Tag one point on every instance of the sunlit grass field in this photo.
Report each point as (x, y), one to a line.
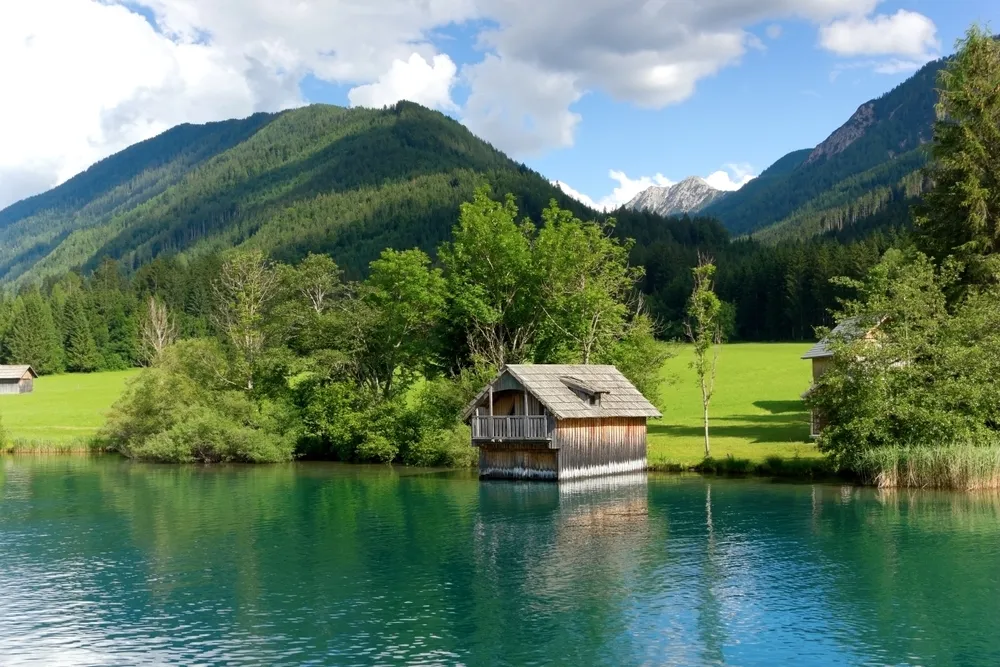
(757, 410)
(63, 409)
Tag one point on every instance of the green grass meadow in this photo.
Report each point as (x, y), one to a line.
(63, 411)
(756, 413)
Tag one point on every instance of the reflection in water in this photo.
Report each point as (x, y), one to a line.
(106, 562)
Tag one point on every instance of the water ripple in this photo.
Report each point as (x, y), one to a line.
(108, 563)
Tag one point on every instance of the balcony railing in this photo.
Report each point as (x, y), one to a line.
(518, 427)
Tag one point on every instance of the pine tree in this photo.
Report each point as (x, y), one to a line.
(32, 337)
(960, 215)
(81, 350)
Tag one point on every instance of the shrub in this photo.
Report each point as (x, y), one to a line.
(173, 413)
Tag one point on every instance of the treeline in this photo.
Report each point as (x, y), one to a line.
(94, 323)
(771, 292)
(83, 323)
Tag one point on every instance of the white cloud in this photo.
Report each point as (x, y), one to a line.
(904, 33)
(519, 108)
(83, 79)
(723, 180)
(732, 177)
(773, 31)
(650, 53)
(416, 80)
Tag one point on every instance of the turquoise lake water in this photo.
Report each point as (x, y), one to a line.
(103, 562)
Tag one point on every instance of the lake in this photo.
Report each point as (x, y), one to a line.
(105, 562)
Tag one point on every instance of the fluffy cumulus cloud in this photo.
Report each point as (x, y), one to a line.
(93, 76)
(904, 33)
(82, 79)
(733, 177)
(416, 80)
(519, 108)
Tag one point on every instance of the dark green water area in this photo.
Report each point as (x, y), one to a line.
(106, 562)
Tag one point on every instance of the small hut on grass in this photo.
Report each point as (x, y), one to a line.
(554, 422)
(821, 356)
(17, 379)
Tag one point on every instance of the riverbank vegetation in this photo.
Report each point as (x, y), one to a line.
(912, 396)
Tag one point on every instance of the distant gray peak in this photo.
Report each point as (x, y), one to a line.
(688, 196)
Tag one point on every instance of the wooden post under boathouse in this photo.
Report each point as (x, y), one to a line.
(17, 379)
(553, 422)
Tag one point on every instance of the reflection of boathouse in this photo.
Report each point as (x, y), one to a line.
(559, 422)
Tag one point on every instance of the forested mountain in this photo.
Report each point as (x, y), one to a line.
(863, 168)
(349, 182)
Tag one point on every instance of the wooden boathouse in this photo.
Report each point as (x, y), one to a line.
(17, 379)
(555, 422)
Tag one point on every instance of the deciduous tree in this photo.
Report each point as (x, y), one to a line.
(705, 332)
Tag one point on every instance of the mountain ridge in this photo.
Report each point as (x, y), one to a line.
(885, 138)
(321, 178)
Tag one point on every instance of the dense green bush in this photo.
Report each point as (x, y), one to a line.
(928, 377)
(178, 411)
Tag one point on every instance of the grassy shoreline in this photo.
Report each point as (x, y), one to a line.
(759, 425)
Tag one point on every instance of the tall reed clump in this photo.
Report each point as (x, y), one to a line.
(960, 467)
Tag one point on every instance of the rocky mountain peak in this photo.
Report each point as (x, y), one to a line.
(688, 196)
(846, 134)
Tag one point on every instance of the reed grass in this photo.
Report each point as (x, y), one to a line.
(959, 467)
(31, 446)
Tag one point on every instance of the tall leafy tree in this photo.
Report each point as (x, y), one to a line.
(399, 307)
(960, 216)
(587, 285)
(492, 279)
(245, 291)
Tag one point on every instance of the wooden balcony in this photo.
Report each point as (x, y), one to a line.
(517, 427)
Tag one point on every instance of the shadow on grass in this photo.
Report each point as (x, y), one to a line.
(787, 427)
(780, 407)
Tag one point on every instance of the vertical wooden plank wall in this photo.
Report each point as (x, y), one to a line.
(589, 447)
(517, 461)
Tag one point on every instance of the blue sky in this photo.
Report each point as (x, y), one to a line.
(654, 90)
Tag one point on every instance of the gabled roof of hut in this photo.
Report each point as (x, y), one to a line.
(553, 385)
(16, 372)
(849, 328)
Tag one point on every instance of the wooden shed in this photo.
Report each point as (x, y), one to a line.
(17, 379)
(554, 422)
(821, 355)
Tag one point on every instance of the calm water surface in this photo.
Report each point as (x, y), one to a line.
(103, 562)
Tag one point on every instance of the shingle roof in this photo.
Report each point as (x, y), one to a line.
(849, 328)
(15, 372)
(548, 383)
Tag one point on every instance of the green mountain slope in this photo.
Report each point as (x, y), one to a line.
(350, 182)
(34, 227)
(866, 163)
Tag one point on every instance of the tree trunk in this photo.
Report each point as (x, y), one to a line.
(708, 450)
